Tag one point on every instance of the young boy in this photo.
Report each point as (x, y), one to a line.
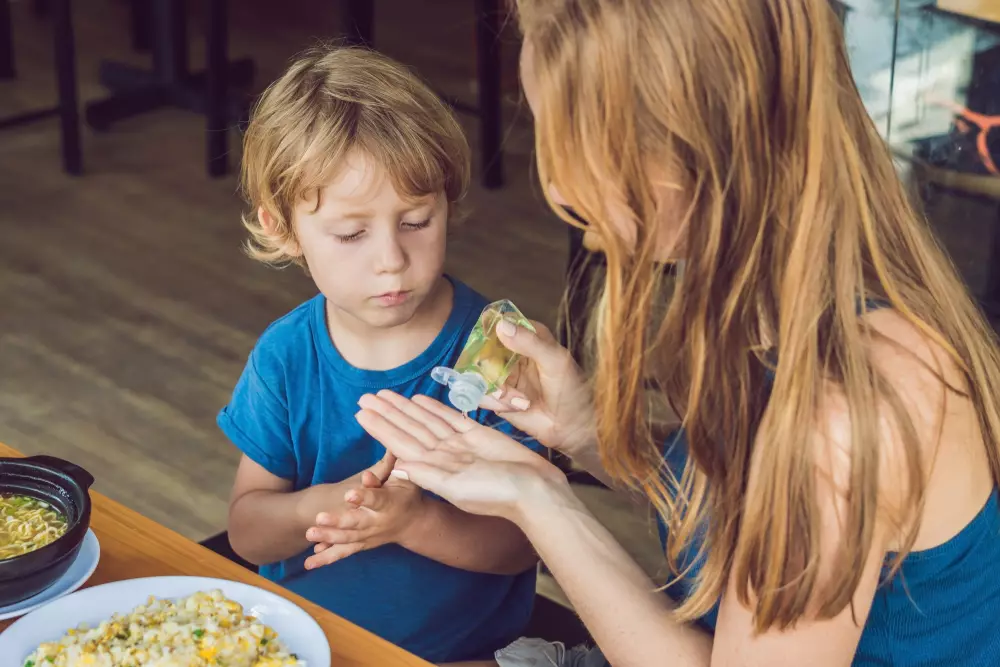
(353, 168)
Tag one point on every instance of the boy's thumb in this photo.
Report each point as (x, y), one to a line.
(383, 468)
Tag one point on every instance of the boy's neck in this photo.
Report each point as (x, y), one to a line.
(381, 349)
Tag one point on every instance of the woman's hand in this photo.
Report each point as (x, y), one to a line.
(546, 397)
(475, 468)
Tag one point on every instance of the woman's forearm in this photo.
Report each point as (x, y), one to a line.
(628, 618)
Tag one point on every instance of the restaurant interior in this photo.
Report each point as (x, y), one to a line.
(127, 304)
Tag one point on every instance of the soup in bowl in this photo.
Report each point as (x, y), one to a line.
(44, 516)
(28, 523)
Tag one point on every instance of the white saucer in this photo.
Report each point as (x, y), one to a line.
(72, 579)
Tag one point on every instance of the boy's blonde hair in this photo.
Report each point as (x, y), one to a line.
(331, 101)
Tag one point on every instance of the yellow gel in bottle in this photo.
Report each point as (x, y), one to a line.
(485, 364)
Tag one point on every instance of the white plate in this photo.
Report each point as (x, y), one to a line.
(77, 574)
(296, 629)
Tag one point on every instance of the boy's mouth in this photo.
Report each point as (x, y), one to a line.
(390, 299)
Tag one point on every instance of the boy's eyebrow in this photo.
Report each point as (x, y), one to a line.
(368, 214)
(352, 215)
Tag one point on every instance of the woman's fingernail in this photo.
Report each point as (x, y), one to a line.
(519, 403)
(507, 328)
(400, 474)
(498, 394)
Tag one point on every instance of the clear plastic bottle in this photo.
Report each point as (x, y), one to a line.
(485, 363)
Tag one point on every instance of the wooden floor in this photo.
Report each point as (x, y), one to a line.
(126, 306)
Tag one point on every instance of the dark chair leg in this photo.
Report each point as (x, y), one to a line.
(65, 56)
(6, 42)
(217, 127)
(220, 545)
(141, 19)
(488, 73)
(359, 21)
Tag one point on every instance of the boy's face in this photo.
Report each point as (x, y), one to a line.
(374, 255)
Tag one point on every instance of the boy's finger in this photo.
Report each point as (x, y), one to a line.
(333, 536)
(373, 480)
(380, 471)
(439, 427)
(333, 554)
(349, 519)
(375, 500)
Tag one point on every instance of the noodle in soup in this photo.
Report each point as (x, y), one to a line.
(27, 524)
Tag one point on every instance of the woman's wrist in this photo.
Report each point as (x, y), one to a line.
(542, 497)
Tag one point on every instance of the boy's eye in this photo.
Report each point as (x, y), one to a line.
(417, 225)
(349, 237)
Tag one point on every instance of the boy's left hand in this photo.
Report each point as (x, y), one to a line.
(378, 514)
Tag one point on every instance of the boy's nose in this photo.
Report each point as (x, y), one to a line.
(392, 258)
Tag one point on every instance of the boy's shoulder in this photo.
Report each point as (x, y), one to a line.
(291, 334)
(467, 302)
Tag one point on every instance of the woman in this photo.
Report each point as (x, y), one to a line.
(832, 497)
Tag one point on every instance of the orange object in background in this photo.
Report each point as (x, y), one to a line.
(984, 10)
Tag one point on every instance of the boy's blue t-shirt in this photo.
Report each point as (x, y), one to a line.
(292, 412)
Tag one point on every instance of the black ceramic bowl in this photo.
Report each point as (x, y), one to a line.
(63, 485)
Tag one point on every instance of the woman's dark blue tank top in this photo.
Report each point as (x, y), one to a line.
(941, 610)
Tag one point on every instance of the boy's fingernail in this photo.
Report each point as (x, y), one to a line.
(519, 403)
(322, 518)
(310, 534)
(400, 474)
(507, 328)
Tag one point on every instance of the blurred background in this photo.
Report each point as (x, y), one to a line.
(127, 307)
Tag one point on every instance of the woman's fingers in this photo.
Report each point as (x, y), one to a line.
(397, 440)
(458, 422)
(506, 399)
(539, 345)
(433, 422)
(430, 477)
(415, 426)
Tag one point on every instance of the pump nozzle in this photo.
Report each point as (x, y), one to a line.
(465, 390)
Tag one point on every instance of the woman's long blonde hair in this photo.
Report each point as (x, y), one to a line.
(793, 215)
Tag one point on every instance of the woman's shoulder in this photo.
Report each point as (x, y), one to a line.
(925, 387)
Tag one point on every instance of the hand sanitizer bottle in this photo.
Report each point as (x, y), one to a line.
(485, 363)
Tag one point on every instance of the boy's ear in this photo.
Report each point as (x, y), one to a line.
(289, 246)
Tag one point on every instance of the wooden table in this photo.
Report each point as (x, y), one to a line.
(133, 546)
